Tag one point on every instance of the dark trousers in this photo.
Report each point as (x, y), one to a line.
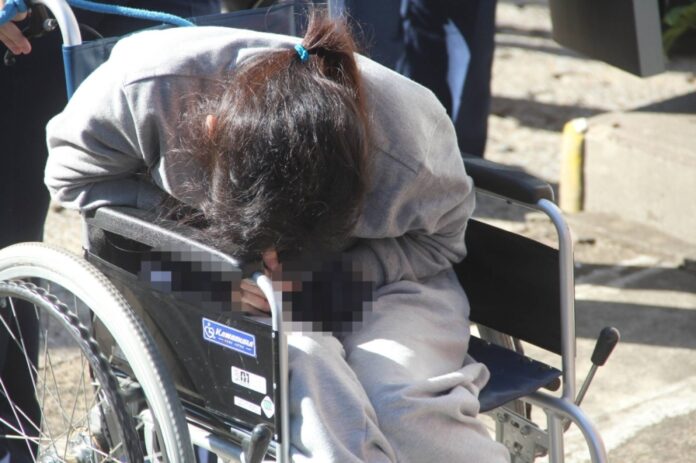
(31, 92)
(426, 59)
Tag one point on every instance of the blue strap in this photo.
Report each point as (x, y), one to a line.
(11, 9)
(130, 12)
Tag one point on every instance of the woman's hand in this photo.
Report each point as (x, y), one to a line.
(12, 37)
(253, 299)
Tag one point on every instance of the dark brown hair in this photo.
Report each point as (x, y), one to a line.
(286, 162)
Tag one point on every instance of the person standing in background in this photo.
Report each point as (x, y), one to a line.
(429, 56)
(445, 45)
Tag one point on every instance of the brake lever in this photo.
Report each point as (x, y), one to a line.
(608, 339)
(39, 24)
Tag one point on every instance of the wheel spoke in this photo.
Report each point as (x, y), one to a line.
(65, 434)
(16, 416)
(34, 369)
(43, 390)
(156, 457)
(55, 394)
(10, 332)
(23, 346)
(33, 439)
(55, 383)
(87, 407)
(21, 412)
(77, 395)
(94, 402)
(22, 434)
(106, 456)
(111, 452)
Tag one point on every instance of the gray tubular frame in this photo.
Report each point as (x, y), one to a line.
(559, 408)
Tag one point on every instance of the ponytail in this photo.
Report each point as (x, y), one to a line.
(331, 42)
(287, 160)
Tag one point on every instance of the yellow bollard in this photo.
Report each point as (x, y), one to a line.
(572, 151)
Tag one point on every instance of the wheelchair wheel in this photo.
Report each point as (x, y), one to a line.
(77, 413)
(103, 415)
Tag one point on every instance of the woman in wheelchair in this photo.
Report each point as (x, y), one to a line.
(304, 148)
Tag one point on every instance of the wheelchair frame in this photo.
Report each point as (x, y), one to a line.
(555, 334)
(523, 438)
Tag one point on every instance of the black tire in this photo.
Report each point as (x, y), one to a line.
(50, 266)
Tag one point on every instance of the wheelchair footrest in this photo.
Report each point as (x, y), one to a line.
(512, 375)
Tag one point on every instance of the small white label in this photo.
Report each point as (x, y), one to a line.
(246, 405)
(249, 380)
(268, 407)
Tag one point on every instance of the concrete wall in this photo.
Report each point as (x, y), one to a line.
(641, 166)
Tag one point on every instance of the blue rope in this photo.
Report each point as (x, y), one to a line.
(11, 9)
(130, 12)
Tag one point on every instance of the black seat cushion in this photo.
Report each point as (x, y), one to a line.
(512, 375)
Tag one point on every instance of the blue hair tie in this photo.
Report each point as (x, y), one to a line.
(302, 53)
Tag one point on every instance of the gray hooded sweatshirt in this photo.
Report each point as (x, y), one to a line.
(123, 120)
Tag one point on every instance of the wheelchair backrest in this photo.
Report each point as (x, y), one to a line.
(512, 283)
(284, 18)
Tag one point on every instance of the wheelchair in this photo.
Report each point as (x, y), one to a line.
(140, 356)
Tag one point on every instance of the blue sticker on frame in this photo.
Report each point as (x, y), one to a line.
(226, 336)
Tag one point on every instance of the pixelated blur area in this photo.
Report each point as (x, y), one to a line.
(329, 294)
(197, 277)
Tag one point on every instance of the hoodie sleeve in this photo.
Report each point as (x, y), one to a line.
(96, 146)
(111, 144)
(426, 216)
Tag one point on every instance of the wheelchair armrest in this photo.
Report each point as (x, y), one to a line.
(506, 181)
(147, 227)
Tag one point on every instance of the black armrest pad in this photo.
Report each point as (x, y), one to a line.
(148, 228)
(506, 181)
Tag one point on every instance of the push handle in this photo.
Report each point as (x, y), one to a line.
(606, 342)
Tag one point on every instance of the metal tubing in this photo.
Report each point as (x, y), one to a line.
(566, 409)
(275, 301)
(69, 28)
(586, 385)
(567, 286)
(555, 430)
(220, 447)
